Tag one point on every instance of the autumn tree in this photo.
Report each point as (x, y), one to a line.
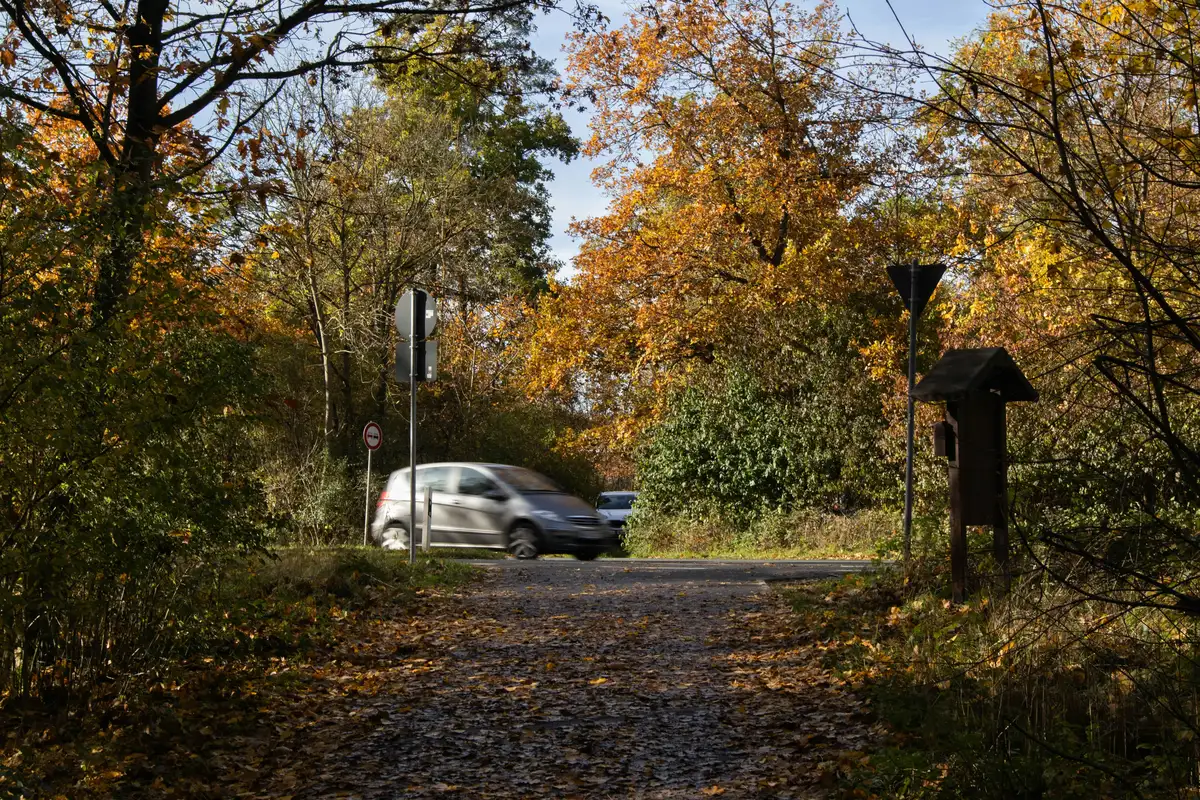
(735, 162)
(367, 199)
(123, 482)
(133, 76)
(431, 177)
(1075, 123)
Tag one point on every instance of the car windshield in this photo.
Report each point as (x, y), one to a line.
(616, 502)
(525, 480)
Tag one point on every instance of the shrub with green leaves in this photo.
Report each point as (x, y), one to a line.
(799, 427)
(131, 481)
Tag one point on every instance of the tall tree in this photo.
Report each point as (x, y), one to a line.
(366, 201)
(735, 158)
(132, 76)
(499, 92)
(428, 177)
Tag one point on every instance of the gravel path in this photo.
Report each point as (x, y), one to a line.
(602, 680)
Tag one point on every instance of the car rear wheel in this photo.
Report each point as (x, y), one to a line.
(522, 542)
(395, 537)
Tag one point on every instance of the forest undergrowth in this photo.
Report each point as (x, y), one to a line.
(1040, 693)
(251, 638)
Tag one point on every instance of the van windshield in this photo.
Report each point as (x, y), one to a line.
(525, 480)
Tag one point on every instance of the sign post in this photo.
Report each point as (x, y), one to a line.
(372, 438)
(416, 360)
(916, 283)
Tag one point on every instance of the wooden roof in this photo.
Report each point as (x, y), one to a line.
(964, 371)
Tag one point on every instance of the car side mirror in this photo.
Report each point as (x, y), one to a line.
(495, 494)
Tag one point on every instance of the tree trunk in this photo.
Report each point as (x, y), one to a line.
(347, 388)
(323, 344)
(133, 174)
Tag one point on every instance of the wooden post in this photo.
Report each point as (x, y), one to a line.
(958, 520)
(1000, 545)
(958, 538)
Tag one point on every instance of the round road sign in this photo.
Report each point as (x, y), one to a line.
(426, 313)
(372, 436)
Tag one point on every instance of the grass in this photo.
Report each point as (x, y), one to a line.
(295, 597)
(474, 553)
(797, 534)
(1033, 695)
(751, 553)
(461, 553)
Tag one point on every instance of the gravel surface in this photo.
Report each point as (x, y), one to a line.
(610, 679)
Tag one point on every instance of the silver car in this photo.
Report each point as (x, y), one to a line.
(616, 507)
(494, 506)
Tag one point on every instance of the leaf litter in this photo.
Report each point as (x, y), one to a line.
(558, 683)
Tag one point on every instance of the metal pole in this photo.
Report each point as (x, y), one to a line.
(412, 431)
(367, 504)
(912, 377)
(427, 528)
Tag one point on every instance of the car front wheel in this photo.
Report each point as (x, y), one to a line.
(522, 542)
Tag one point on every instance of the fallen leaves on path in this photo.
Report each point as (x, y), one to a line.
(542, 685)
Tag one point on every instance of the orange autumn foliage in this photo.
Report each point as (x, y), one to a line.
(735, 156)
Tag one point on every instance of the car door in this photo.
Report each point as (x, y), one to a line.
(475, 510)
(439, 479)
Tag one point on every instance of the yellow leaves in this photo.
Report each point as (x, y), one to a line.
(594, 681)
(727, 216)
(1113, 14)
(1034, 81)
(521, 687)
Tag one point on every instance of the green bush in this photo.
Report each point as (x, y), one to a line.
(317, 500)
(132, 493)
(789, 418)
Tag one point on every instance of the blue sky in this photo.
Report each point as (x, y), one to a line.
(934, 24)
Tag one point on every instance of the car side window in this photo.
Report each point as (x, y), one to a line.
(475, 483)
(436, 478)
(399, 482)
